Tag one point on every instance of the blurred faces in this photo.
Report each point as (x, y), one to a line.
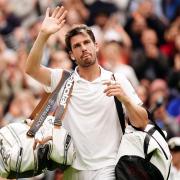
(112, 50)
(160, 113)
(142, 93)
(177, 62)
(23, 104)
(177, 43)
(176, 159)
(171, 33)
(59, 59)
(146, 8)
(139, 24)
(149, 37)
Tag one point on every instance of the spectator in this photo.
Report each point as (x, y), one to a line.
(60, 59)
(161, 116)
(146, 10)
(115, 61)
(174, 76)
(134, 27)
(174, 146)
(8, 22)
(149, 63)
(143, 94)
(21, 107)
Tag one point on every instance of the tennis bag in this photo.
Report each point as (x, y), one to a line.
(19, 158)
(143, 154)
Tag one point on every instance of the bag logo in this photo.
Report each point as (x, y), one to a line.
(66, 91)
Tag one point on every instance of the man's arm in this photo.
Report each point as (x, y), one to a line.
(51, 24)
(137, 114)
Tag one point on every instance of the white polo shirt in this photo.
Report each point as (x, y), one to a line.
(92, 119)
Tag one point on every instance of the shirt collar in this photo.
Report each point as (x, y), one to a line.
(105, 75)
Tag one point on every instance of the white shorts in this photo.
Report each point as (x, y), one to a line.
(106, 173)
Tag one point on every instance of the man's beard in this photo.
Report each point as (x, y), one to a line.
(87, 63)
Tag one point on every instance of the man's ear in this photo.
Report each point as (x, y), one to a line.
(97, 47)
(71, 56)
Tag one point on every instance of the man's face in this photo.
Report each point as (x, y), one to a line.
(83, 50)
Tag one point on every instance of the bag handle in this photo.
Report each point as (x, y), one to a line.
(44, 106)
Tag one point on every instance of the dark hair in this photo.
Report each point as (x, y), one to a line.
(75, 30)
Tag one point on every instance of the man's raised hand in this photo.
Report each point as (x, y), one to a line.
(53, 21)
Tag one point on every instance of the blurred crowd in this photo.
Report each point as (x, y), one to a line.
(139, 38)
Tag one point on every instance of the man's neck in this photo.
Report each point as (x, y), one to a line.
(89, 73)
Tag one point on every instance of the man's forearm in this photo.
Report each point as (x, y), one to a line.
(137, 114)
(35, 55)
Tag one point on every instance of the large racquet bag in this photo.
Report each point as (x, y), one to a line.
(27, 151)
(19, 158)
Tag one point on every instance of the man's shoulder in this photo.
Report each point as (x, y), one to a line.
(120, 76)
(105, 70)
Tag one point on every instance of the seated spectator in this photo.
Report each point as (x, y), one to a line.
(168, 48)
(161, 116)
(149, 63)
(21, 107)
(60, 59)
(134, 27)
(8, 22)
(142, 92)
(174, 76)
(115, 61)
(146, 9)
(159, 85)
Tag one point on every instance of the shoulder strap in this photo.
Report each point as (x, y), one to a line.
(120, 112)
(65, 97)
(151, 118)
(42, 109)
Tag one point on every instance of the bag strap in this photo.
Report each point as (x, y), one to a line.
(151, 118)
(149, 134)
(120, 111)
(43, 108)
(64, 101)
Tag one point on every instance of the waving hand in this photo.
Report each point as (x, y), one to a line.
(54, 21)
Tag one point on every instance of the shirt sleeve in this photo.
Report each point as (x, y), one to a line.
(128, 88)
(56, 75)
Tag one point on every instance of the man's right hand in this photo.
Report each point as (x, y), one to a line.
(54, 21)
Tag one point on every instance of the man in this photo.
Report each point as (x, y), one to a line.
(91, 116)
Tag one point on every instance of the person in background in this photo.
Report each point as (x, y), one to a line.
(143, 94)
(174, 146)
(60, 59)
(149, 62)
(161, 116)
(115, 61)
